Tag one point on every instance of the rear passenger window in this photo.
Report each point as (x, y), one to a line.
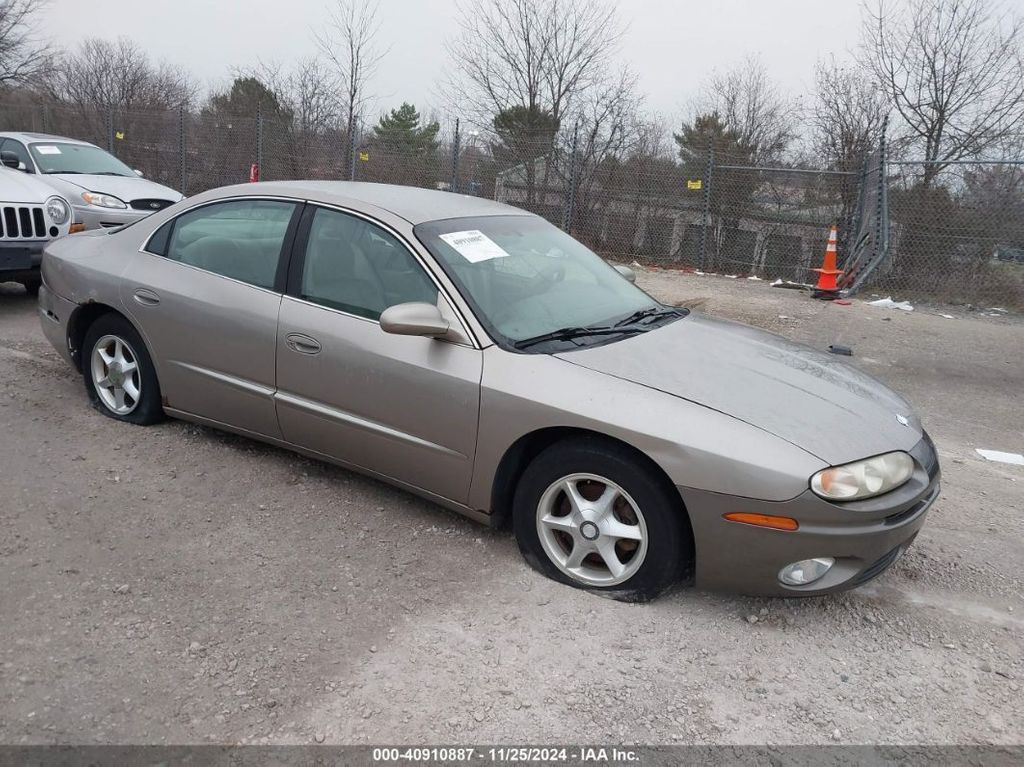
(241, 239)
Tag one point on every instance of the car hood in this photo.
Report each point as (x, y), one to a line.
(16, 186)
(801, 395)
(124, 188)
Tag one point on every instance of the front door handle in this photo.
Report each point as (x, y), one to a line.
(302, 344)
(146, 297)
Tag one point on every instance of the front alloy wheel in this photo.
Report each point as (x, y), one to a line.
(592, 530)
(597, 515)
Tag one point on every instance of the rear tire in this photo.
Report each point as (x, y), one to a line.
(596, 516)
(119, 374)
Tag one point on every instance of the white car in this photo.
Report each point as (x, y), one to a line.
(31, 215)
(102, 190)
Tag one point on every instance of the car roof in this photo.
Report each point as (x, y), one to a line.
(416, 205)
(30, 137)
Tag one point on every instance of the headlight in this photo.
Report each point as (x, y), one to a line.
(863, 479)
(57, 210)
(102, 200)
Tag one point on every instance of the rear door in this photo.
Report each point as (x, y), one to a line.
(206, 293)
(405, 407)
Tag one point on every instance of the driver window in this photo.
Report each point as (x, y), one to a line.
(357, 267)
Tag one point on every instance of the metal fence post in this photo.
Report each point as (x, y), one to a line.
(259, 143)
(880, 240)
(44, 119)
(570, 196)
(352, 149)
(706, 214)
(110, 131)
(455, 158)
(181, 147)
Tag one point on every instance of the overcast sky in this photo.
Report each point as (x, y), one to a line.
(671, 45)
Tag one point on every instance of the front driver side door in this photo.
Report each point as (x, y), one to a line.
(401, 406)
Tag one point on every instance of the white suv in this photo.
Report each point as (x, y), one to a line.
(31, 215)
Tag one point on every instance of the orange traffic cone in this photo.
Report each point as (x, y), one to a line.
(828, 274)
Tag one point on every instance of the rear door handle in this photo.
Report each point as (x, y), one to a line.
(302, 344)
(146, 297)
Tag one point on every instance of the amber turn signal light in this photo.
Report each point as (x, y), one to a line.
(762, 520)
(76, 228)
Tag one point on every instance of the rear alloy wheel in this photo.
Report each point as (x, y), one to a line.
(118, 372)
(597, 516)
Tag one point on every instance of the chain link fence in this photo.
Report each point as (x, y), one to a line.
(952, 233)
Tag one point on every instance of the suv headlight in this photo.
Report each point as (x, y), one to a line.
(58, 210)
(102, 200)
(863, 479)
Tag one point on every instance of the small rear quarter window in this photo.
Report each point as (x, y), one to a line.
(158, 242)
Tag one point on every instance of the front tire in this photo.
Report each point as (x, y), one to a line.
(119, 374)
(596, 516)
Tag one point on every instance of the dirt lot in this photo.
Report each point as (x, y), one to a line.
(173, 584)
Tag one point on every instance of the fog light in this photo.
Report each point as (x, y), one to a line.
(806, 571)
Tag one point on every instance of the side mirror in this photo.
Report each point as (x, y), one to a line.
(414, 319)
(10, 159)
(138, 173)
(626, 272)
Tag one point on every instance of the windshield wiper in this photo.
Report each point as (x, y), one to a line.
(568, 334)
(651, 311)
(108, 173)
(75, 172)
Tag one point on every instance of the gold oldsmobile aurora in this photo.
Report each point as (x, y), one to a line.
(474, 354)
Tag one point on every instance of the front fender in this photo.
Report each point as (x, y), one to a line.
(694, 445)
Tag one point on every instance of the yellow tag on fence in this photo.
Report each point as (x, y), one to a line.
(364, 156)
(694, 184)
(119, 135)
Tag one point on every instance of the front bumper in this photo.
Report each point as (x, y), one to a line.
(92, 217)
(864, 537)
(20, 259)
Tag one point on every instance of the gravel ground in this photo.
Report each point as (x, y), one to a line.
(176, 585)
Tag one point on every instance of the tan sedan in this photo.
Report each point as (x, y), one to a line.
(476, 355)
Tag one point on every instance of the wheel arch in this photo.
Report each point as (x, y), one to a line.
(518, 456)
(80, 322)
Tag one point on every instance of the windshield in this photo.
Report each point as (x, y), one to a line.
(56, 157)
(527, 279)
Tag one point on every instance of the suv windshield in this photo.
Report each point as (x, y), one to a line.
(57, 157)
(535, 286)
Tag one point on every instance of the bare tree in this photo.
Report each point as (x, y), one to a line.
(348, 41)
(846, 121)
(538, 54)
(752, 105)
(309, 90)
(953, 70)
(23, 56)
(847, 114)
(106, 75)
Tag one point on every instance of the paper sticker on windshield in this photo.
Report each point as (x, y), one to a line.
(474, 245)
(44, 149)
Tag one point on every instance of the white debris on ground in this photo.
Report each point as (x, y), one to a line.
(888, 303)
(754, 277)
(948, 316)
(997, 455)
